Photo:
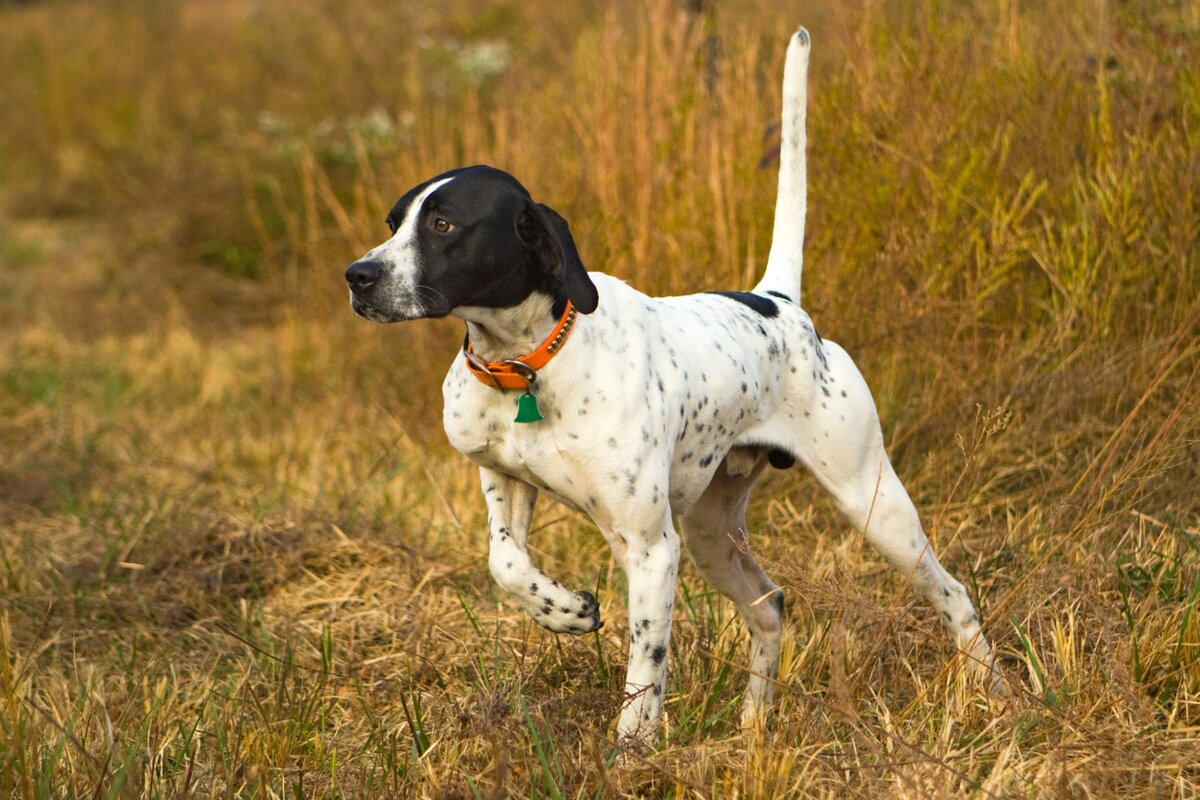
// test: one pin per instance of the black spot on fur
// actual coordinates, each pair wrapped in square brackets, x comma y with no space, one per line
[658,654]
[756,302]
[780,295]
[777,600]
[780,459]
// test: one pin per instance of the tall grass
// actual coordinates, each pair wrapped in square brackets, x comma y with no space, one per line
[237,557]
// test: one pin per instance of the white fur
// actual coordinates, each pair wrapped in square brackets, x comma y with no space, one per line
[401,258]
[786,259]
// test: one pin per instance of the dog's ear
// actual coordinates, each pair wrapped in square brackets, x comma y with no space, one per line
[544,229]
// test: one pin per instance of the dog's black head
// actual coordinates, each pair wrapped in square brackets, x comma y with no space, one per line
[469,237]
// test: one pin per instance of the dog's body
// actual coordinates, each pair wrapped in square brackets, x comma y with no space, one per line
[654,408]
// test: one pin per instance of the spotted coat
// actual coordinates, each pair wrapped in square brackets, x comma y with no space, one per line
[654,410]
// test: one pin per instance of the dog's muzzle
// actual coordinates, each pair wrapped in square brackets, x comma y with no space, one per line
[362,275]
[376,296]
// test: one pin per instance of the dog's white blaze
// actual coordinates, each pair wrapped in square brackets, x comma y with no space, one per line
[401,256]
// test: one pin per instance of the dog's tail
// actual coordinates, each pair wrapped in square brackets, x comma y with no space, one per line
[786,259]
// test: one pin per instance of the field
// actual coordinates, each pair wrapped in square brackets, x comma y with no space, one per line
[238,558]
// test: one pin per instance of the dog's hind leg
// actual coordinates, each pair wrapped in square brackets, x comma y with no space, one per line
[842,445]
[714,532]
[552,605]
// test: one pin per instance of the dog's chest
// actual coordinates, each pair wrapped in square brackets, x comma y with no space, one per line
[480,423]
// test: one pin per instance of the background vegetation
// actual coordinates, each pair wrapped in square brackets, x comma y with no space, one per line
[237,558]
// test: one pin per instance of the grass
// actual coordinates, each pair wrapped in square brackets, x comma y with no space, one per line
[237,558]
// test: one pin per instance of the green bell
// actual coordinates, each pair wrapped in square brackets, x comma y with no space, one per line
[527,409]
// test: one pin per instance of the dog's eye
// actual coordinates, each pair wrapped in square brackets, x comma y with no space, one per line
[391,225]
[442,226]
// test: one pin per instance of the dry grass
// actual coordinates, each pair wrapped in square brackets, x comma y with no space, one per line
[238,559]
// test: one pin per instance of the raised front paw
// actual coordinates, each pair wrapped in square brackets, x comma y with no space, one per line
[580,615]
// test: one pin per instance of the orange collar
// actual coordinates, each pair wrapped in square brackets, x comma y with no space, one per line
[521,372]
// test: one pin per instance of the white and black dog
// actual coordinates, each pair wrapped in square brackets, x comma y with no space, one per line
[637,410]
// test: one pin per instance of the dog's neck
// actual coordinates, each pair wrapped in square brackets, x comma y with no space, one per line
[497,334]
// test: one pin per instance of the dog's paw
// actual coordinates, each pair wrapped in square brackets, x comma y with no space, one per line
[996,685]
[984,670]
[589,609]
[582,615]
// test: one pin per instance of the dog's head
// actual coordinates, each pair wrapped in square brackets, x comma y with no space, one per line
[469,237]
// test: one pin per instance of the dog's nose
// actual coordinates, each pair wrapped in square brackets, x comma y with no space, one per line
[363,273]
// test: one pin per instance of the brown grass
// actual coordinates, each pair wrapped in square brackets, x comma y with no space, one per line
[237,557]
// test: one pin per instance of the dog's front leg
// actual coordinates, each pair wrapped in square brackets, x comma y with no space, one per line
[651,564]
[552,605]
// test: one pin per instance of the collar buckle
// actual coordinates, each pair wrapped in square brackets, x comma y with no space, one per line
[521,372]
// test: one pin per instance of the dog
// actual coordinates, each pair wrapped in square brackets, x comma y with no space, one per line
[637,410]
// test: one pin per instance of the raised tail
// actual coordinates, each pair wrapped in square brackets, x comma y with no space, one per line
[786,260]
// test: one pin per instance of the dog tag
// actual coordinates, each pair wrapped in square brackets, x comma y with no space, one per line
[527,409]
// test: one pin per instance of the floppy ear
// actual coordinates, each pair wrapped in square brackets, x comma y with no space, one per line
[549,233]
